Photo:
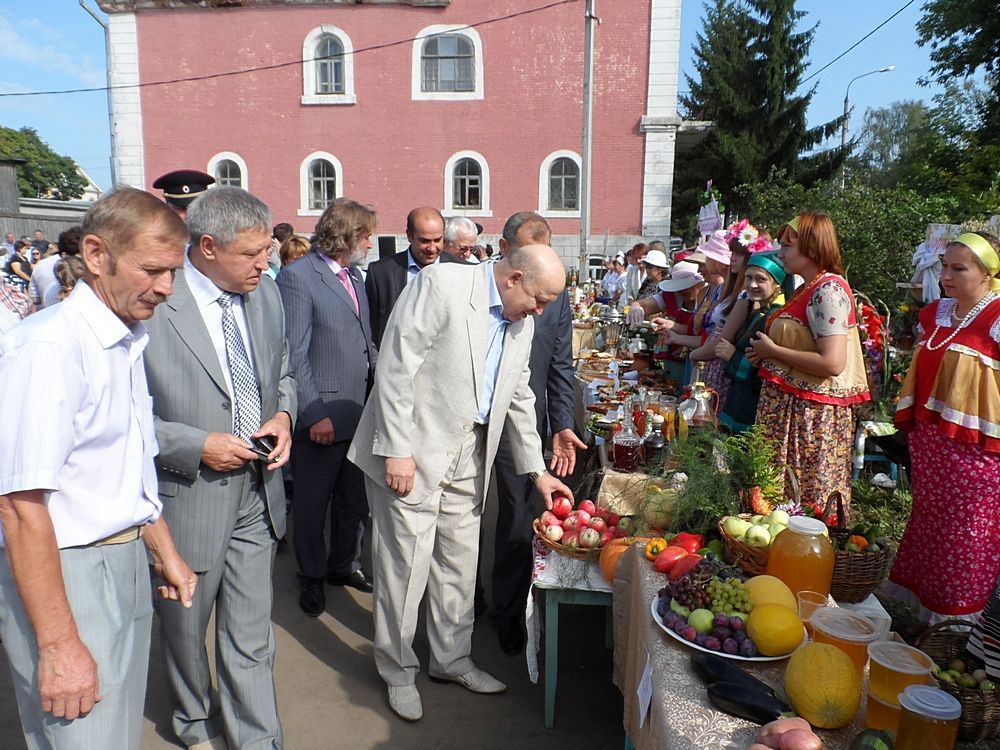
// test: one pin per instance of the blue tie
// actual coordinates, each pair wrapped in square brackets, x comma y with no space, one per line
[246,395]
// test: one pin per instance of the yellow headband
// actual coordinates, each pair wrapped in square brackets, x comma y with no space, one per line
[986,253]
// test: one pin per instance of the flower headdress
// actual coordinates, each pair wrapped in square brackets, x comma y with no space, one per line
[749,236]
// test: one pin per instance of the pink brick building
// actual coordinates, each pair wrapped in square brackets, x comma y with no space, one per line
[473,106]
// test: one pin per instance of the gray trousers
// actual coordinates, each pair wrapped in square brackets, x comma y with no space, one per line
[109,594]
[245,708]
[432,546]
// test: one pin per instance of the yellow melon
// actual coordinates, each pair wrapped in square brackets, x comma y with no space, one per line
[775,629]
[823,686]
[770,590]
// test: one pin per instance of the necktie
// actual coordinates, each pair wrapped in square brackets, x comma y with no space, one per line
[345,279]
[246,396]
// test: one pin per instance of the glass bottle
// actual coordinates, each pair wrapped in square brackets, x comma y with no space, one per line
[626,444]
[802,556]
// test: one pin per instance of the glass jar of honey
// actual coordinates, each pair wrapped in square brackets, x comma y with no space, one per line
[929,720]
[802,556]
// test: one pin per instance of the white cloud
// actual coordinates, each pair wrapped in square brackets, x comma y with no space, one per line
[47,51]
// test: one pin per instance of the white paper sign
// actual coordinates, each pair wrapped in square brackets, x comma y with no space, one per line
[645,690]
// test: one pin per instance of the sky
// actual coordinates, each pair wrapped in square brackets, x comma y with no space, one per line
[55,44]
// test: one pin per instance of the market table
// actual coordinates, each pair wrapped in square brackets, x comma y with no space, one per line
[680,715]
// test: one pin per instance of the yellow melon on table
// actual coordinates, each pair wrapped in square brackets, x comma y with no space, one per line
[775,629]
[770,590]
[823,685]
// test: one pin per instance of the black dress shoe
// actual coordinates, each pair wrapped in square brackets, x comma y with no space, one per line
[511,636]
[357,580]
[313,598]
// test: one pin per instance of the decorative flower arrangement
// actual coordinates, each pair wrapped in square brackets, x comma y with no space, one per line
[886,364]
[749,236]
[707,196]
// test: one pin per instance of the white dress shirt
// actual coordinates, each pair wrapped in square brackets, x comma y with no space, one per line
[81,426]
[43,279]
[206,294]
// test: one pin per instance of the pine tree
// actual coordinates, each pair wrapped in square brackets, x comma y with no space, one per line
[749,62]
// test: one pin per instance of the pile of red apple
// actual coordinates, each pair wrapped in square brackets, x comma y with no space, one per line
[585,526]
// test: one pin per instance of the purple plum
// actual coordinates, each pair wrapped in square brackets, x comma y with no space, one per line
[730,646]
[712,643]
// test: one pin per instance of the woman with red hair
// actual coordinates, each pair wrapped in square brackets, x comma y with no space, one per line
[811,363]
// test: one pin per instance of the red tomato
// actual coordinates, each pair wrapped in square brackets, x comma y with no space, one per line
[668,558]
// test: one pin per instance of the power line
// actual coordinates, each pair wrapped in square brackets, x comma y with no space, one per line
[276,66]
[813,75]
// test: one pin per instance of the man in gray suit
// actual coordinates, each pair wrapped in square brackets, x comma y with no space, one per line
[332,354]
[223,396]
[426,451]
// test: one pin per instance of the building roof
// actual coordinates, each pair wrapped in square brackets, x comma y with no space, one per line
[132,6]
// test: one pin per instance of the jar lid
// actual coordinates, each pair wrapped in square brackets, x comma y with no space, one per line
[805,525]
[900,657]
[932,702]
[847,626]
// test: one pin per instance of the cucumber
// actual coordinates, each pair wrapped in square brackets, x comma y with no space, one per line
[872,739]
[711,669]
[741,701]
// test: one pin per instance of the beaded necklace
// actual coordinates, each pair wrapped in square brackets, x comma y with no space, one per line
[969,317]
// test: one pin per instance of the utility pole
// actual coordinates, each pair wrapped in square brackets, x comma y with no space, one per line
[590,26]
[107,78]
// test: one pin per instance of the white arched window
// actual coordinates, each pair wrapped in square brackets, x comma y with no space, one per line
[327,67]
[321,180]
[447,63]
[228,168]
[559,185]
[467,185]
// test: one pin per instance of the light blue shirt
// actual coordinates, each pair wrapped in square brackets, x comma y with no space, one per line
[412,269]
[494,349]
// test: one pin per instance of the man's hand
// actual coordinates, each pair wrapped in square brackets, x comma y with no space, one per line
[179,581]
[724,350]
[278,427]
[635,314]
[548,487]
[399,474]
[67,678]
[321,433]
[225,452]
[565,444]
[661,324]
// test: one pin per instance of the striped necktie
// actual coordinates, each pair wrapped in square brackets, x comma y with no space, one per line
[246,395]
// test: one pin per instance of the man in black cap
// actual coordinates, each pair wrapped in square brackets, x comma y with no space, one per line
[181,187]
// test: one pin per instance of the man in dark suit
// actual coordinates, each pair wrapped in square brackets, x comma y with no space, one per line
[219,377]
[333,356]
[387,277]
[551,381]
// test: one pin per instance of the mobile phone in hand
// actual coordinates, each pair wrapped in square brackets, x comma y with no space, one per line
[263,446]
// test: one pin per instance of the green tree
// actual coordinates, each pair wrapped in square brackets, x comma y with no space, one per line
[749,62]
[46,173]
[885,142]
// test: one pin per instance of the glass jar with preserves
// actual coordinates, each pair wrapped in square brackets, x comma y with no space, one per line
[802,556]
[929,720]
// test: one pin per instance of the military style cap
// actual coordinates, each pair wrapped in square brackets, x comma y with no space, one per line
[182,186]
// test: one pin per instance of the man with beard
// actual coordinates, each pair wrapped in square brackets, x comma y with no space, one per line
[333,357]
[224,399]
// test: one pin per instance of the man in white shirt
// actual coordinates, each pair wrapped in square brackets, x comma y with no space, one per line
[635,273]
[78,488]
[7,246]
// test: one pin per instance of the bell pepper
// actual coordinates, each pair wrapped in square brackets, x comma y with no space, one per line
[655,547]
[683,565]
[667,558]
[688,541]
[859,541]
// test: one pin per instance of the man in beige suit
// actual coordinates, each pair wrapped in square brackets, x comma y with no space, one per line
[452,371]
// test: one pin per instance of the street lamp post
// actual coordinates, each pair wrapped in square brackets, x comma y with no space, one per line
[847,114]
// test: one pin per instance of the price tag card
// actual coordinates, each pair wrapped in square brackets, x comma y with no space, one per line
[645,691]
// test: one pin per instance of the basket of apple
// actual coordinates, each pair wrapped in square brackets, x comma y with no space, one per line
[747,538]
[580,532]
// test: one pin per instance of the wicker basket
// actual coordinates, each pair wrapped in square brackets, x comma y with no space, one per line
[577,553]
[980,711]
[855,574]
[752,559]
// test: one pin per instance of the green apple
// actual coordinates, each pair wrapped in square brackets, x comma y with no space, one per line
[701,620]
[758,536]
[736,527]
[779,516]
[776,528]
[679,608]
[756,519]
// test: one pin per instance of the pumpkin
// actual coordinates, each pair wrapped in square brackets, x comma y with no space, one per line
[823,685]
[610,555]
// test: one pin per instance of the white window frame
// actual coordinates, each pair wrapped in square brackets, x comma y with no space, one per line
[418,94]
[338,170]
[309,95]
[235,158]
[543,185]
[449,186]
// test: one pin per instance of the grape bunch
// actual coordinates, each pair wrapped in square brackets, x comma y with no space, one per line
[690,592]
[728,596]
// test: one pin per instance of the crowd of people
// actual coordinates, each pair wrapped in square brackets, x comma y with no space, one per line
[215,360]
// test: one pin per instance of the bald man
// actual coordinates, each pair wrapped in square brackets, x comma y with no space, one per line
[426,452]
[387,277]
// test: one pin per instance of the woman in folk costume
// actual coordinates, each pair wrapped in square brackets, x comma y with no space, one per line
[949,557]
[811,363]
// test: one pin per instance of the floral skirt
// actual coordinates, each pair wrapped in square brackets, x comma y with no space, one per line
[950,553]
[816,440]
[715,377]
